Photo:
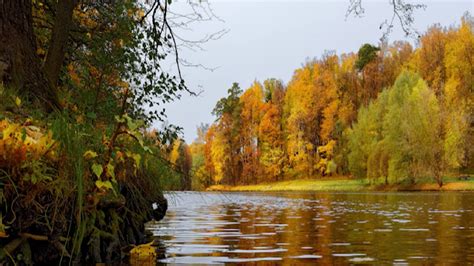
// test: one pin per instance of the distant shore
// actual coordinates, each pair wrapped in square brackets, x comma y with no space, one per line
[347,184]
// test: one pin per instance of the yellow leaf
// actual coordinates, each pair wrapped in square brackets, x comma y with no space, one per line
[18,101]
[136,157]
[140,13]
[103,184]
[143,253]
[90,154]
[40,51]
[9,131]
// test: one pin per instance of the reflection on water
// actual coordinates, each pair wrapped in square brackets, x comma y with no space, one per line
[328,228]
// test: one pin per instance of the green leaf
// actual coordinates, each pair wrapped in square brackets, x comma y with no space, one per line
[23,134]
[111,170]
[138,137]
[147,149]
[130,123]
[119,119]
[91,115]
[97,169]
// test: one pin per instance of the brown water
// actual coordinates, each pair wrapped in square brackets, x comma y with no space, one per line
[326,228]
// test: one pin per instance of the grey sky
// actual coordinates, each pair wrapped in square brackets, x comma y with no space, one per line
[270,39]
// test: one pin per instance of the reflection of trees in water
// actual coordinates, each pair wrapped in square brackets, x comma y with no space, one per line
[340,227]
[230,211]
[248,215]
[467,248]
[325,230]
[444,231]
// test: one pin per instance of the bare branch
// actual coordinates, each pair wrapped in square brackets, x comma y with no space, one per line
[356,8]
[403,14]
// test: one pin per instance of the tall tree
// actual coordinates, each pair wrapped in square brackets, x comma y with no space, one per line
[459,96]
[209,164]
[201,178]
[251,115]
[20,67]
[365,137]
[63,23]
[385,144]
[428,60]
[227,139]
[272,149]
[301,117]
[180,158]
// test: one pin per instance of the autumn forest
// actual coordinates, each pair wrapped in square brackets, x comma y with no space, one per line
[91,165]
[389,112]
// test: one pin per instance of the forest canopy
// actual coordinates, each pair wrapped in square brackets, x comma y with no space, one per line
[389,112]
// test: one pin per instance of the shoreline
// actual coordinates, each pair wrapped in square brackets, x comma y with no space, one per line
[345,185]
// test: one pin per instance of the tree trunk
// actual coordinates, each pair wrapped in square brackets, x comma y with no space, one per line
[20,67]
[56,51]
[437,173]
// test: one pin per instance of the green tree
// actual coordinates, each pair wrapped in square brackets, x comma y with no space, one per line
[367,53]
[201,178]
[398,136]
[227,144]
[366,135]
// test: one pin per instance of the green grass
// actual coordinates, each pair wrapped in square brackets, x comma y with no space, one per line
[303,185]
[347,184]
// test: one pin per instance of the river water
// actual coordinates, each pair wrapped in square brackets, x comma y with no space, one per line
[324,228]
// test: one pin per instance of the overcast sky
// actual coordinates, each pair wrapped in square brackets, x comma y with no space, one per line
[270,39]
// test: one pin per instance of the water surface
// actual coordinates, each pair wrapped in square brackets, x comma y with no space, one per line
[326,228]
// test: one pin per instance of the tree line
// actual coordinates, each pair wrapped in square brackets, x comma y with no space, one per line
[390,113]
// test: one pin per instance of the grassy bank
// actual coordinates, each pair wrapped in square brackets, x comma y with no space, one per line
[347,184]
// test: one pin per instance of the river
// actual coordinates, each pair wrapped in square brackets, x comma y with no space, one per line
[326,228]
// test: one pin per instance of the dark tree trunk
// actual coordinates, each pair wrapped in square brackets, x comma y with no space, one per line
[56,51]
[437,173]
[20,67]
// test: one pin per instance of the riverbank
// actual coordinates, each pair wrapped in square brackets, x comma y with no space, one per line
[347,184]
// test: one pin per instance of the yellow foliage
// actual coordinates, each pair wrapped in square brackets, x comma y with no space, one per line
[311,107]
[90,154]
[140,13]
[143,254]
[219,157]
[174,155]
[73,74]
[329,121]
[86,18]
[458,96]
[17,143]
[328,148]
[18,102]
